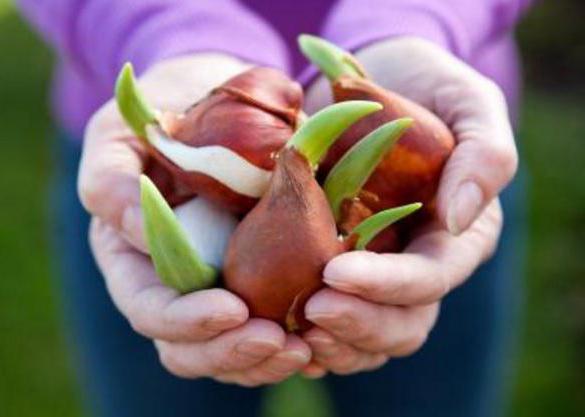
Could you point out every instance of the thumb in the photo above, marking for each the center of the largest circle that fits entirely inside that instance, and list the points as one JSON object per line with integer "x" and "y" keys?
{"x": 485, "y": 157}
{"x": 109, "y": 172}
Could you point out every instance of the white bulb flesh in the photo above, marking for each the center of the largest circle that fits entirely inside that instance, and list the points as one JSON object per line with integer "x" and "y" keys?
{"x": 208, "y": 228}
{"x": 217, "y": 162}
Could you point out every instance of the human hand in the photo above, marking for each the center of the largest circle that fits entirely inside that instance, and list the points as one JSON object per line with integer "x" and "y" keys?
{"x": 206, "y": 333}
{"x": 385, "y": 305}
{"x": 380, "y": 306}
{"x": 485, "y": 158}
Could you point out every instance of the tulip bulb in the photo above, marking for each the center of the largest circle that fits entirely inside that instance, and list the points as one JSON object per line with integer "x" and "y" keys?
{"x": 277, "y": 254}
{"x": 413, "y": 167}
{"x": 222, "y": 147}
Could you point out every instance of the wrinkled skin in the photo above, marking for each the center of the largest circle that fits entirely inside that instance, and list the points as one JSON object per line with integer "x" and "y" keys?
{"x": 412, "y": 169}
{"x": 206, "y": 333}
{"x": 253, "y": 114}
{"x": 276, "y": 256}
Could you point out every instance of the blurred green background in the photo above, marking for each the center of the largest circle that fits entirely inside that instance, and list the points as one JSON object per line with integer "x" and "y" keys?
{"x": 36, "y": 378}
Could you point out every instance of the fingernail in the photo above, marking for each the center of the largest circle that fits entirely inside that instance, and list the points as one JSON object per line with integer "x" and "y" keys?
{"x": 340, "y": 285}
{"x": 295, "y": 356}
{"x": 257, "y": 348}
{"x": 321, "y": 341}
{"x": 324, "y": 347}
{"x": 328, "y": 320}
{"x": 222, "y": 323}
{"x": 464, "y": 207}
{"x": 131, "y": 225}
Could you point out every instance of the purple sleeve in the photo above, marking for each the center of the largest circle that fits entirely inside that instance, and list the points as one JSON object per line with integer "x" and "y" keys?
{"x": 96, "y": 37}
{"x": 461, "y": 26}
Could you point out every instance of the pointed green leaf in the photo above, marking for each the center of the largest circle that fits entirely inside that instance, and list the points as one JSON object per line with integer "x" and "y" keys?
{"x": 329, "y": 58}
{"x": 373, "y": 225}
{"x": 316, "y": 135}
{"x": 131, "y": 102}
{"x": 177, "y": 264}
{"x": 351, "y": 172}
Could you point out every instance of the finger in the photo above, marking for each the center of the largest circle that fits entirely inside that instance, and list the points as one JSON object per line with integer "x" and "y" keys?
{"x": 295, "y": 355}
{"x": 113, "y": 157}
{"x": 433, "y": 264}
{"x": 154, "y": 310}
{"x": 314, "y": 371}
{"x": 485, "y": 158}
{"x": 338, "y": 357}
{"x": 374, "y": 328}
{"x": 109, "y": 171}
{"x": 234, "y": 350}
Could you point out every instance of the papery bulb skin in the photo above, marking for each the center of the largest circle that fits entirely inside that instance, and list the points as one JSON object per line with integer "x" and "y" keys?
{"x": 173, "y": 192}
{"x": 412, "y": 169}
{"x": 252, "y": 115}
{"x": 276, "y": 256}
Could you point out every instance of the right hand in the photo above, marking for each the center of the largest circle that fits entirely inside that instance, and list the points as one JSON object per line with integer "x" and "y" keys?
{"x": 205, "y": 333}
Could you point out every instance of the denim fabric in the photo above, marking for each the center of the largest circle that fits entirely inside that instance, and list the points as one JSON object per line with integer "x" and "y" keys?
{"x": 464, "y": 370}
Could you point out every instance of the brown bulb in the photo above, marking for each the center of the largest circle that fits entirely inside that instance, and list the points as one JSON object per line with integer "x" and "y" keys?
{"x": 276, "y": 256}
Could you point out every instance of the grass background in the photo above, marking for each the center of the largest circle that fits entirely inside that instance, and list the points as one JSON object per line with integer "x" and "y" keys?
{"x": 35, "y": 376}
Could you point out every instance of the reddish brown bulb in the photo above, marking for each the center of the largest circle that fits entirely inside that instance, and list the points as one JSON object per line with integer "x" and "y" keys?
{"x": 412, "y": 169}
{"x": 253, "y": 114}
{"x": 276, "y": 256}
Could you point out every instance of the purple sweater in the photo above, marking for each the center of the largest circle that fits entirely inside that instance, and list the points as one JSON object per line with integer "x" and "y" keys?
{"x": 93, "y": 38}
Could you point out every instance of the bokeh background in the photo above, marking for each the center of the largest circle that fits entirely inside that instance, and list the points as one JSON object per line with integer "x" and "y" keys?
{"x": 36, "y": 376}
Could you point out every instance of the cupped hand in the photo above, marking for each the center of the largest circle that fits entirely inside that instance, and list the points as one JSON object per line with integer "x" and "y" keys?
{"x": 205, "y": 333}
{"x": 380, "y": 306}
{"x": 485, "y": 157}
{"x": 384, "y": 305}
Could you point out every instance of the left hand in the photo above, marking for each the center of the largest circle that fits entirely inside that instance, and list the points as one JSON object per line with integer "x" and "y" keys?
{"x": 384, "y": 305}
{"x": 380, "y": 306}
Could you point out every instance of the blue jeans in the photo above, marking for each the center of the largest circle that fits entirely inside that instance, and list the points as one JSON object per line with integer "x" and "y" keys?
{"x": 465, "y": 369}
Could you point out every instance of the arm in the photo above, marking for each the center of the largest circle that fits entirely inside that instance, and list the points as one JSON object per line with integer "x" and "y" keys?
{"x": 384, "y": 305}
{"x": 98, "y": 36}
{"x": 460, "y": 26}
{"x": 205, "y": 333}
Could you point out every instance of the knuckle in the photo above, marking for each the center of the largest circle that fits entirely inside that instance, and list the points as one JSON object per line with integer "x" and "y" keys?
{"x": 236, "y": 361}
{"x": 511, "y": 163}
{"x": 376, "y": 362}
{"x": 102, "y": 119}
{"x": 485, "y": 88}
{"x": 343, "y": 364}
{"x": 497, "y": 154}
{"x": 494, "y": 91}
{"x": 95, "y": 231}
{"x": 139, "y": 319}
{"x": 411, "y": 344}
{"x": 173, "y": 364}
{"x": 344, "y": 314}
{"x": 506, "y": 157}
{"x": 345, "y": 368}
{"x": 137, "y": 323}
{"x": 273, "y": 376}
{"x": 442, "y": 286}
{"x": 90, "y": 192}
